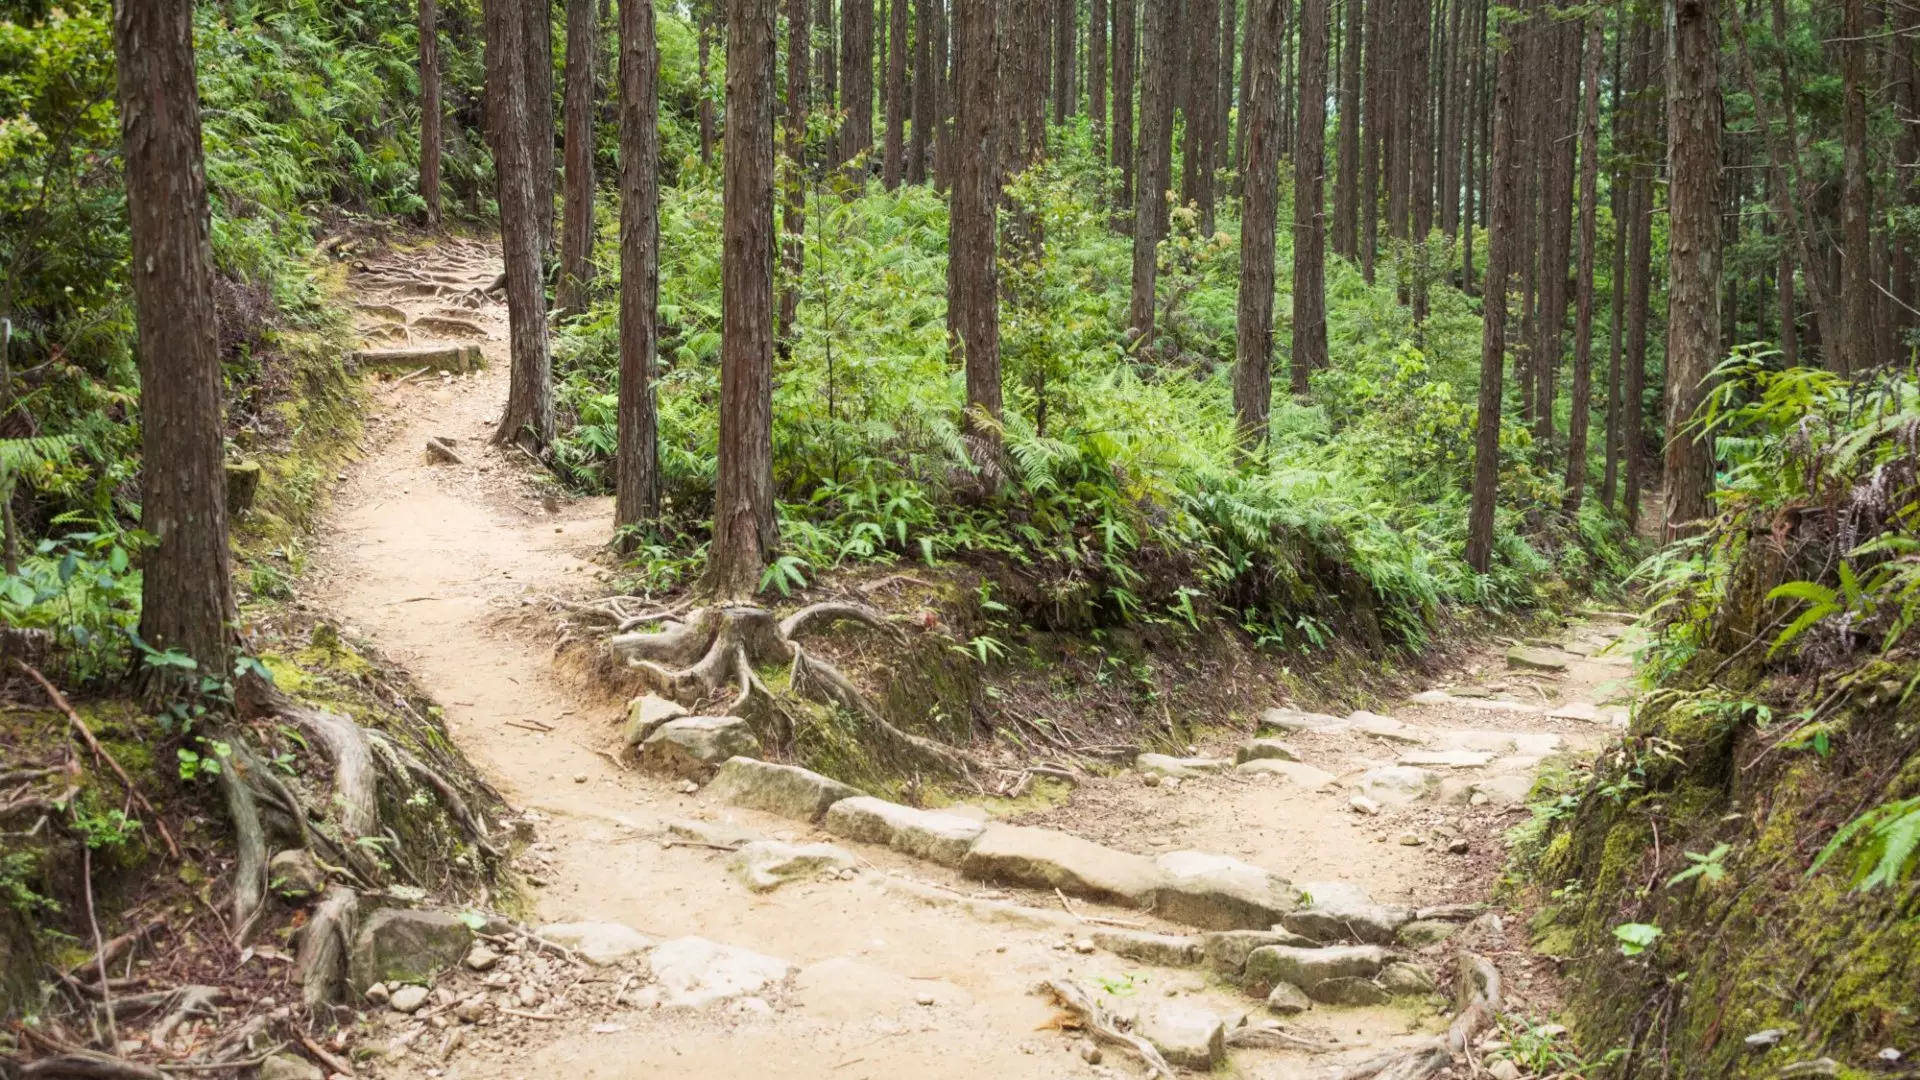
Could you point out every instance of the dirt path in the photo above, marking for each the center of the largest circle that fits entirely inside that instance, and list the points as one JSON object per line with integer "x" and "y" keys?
{"x": 432, "y": 560}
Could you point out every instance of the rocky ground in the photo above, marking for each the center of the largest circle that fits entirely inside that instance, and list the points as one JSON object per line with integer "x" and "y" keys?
{"x": 1293, "y": 901}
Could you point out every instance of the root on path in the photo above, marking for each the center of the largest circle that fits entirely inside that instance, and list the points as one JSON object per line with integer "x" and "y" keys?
{"x": 1477, "y": 996}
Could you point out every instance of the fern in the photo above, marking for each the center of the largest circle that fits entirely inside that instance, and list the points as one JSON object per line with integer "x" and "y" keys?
{"x": 1892, "y": 835}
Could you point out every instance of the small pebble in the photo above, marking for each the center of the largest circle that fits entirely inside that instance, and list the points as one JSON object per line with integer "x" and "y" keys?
{"x": 481, "y": 958}
{"x": 580, "y": 778}
{"x": 923, "y": 999}
{"x": 1088, "y": 1052}
{"x": 378, "y": 993}
{"x": 1084, "y": 946}
{"x": 1410, "y": 839}
{"x": 1459, "y": 847}
{"x": 1150, "y": 779}
{"x": 1362, "y": 804}
{"x": 688, "y": 787}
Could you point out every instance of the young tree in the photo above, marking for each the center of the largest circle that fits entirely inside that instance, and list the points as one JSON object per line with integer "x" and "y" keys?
{"x": 535, "y": 61}
{"x": 1493, "y": 320}
{"x": 186, "y": 590}
{"x": 429, "y": 30}
{"x": 1640, "y": 211}
{"x": 793, "y": 222}
{"x": 973, "y": 314}
{"x": 705, "y": 52}
{"x": 1581, "y": 404}
{"x": 637, "y": 464}
{"x": 511, "y": 97}
{"x": 1253, "y": 367}
{"x": 744, "y": 529}
{"x": 1309, "y": 199}
{"x": 576, "y": 224}
{"x": 1693, "y": 253}
{"x": 895, "y": 163}
{"x": 1154, "y": 164}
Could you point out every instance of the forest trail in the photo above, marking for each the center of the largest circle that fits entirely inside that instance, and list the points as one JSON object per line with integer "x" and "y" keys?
{"x": 899, "y": 967}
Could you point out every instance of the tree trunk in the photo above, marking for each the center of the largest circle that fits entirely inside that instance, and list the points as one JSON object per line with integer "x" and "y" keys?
{"x": 793, "y": 222}
{"x": 1346, "y": 179}
{"x": 1580, "y": 406}
{"x": 942, "y": 99}
{"x": 1124, "y": 52}
{"x": 1154, "y": 165}
{"x": 973, "y": 312}
{"x": 1853, "y": 343}
{"x": 1640, "y": 270}
{"x": 430, "y": 110}
{"x": 1693, "y": 253}
{"x": 1617, "y": 283}
{"x": 1065, "y": 40}
{"x": 1260, "y": 118}
{"x": 1493, "y": 321}
{"x": 1556, "y": 204}
{"x": 637, "y": 467}
{"x": 1223, "y": 107}
{"x": 1196, "y": 172}
{"x": 744, "y": 529}
{"x": 1097, "y": 71}
{"x": 516, "y": 99}
{"x": 1374, "y": 107}
{"x": 925, "y": 101}
{"x": 576, "y": 228}
{"x": 827, "y": 61}
{"x": 536, "y": 65}
{"x": 1309, "y": 200}
{"x": 856, "y": 81}
{"x": 186, "y": 590}
{"x": 896, "y": 93}
{"x": 706, "y": 88}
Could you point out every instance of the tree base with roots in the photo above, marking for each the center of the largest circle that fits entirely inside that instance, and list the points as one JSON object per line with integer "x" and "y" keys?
{"x": 711, "y": 650}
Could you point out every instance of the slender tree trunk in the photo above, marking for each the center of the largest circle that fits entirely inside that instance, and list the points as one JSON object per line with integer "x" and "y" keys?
{"x": 1125, "y": 19}
{"x": 1196, "y": 172}
{"x": 430, "y": 110}
{"x": 896, "y": 93}
{"x": 186, "y": 589}
{"x": 925, "y": 95}
{"x": 1854, "y": 342}
{"x": 1640, "y": 270}
{"x": 744, "y": 529}
{"x": 1309, "y": 200}
{"x": 536, "y": 65}
{"x": 1557, "y": 154}
{"x": 1419, "y": 130}
{"x": 1693, "y": 252}
{"x": 1065, "y": 38}
{"x": 1260, "y": 118}
{"x": 636, "y": 498}
{"x": 973, "y": 312}
{"x": 1097, "y": 72}
{"x": 1240, "y": 129}
{"x": 827, "y": 60}
{"x": 1154, "y": 165}
{"x": 1617, "y": 283}
{"x": 1375, "y": 109}
{"x": 793, "y": 222}
{"x": 576, "y": 227}
{"x": 1493, "y": 321}
{"x": 1476, "y": 67}
{"x": 856, "y": 80}
{"x": 1223, "y": 108}
{"x": 943, "y": 94}
{"x": 1346, "y": 180}
{"x": 1453, "y": 111}
{"x": 515, "y": 100}
{"x": 1580, "y": 407}
{"x": 706, "y": 88}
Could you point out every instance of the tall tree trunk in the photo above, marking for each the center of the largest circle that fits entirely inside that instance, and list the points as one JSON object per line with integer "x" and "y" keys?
{"x": 186, "y": 589}
{"x": 827, "y": 60}
{"x": 1374, "y": 107}
{"x": 1309, "y": 200}
{"x": 1346, "y": 180}
{"x": 1643, "y": 117}
{"x": 1223, "y": 108}
{"x": 793, "y": 136}
{"x": 1260, "y": 118}
{"x": 744, "y": 529}
{"x": 1693, "y": 252}
{"x": 1196, "y": 172}
{"x": 856, "y": 81}
{"x": 1065, "y": 39}
{"x": 1419, "y": 129}
{"x": 1854, "y": 342}
{"x": 706, "y": 87}
{"x": 896, "y": 93}
{"x": 1154, "y": 164}
{"x": 925, "y": 93}
{"x": 576, "y": 225}
{"x": 429, "y": 30}
{"x": 1556, "y": 204}
{"x": 973, "y": 290}
{"x": 1453, "y": 110}
{"x": 1493, "y": 321}
{"x": 1097, "y": 72}
{"x": 536, "y": 65}
{"x": 515, "y": 102}
{"x": 943, "y": 94}
{"x": 1476, "y": 45}
{"x": 1617, "y": 283}
{"x": 636, "y": 497}
{"x": 1125, "y": 50}
{"x": 1580, "y": 407}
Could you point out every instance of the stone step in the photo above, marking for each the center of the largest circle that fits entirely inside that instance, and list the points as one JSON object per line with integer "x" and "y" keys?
{"x": 923, "y": 834}
{"x": 1487, "y": 704}
{"x": 784, "y": 790}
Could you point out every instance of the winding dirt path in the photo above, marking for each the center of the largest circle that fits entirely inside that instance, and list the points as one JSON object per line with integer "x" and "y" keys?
{"x": 431, "y": 561}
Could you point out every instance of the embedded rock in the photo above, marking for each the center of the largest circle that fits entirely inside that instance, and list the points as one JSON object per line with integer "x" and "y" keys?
{"x": 1186, "y": 1035}
{"x": 1308, "y": 968}
{"x": 289, "y": 1067}
{"x": 1215, "y": 892}
{"x": 692, "y": 972}
{"x": 1185, "y": 768}
{"x": 1533, "y": 658}
{"x": 1287, "y": 999}
{"x": 1446, "y": 759}
{"x": 646, "y": 713}
{"x": 1295, "y": 720}
{"x": 296, "y": 875}
{"x": 786, "y": 790}
{"x": 407, "y": 999}
{"x": 1405, "y": 980}
{"x": 925, "y": 834}
{"x": 1350, "y": 991}
{"x": 1164, "y": 950}
{"x": 1294, "y": 772}
{"x": 401, "y": 945}
{"x": 1264, "y": 750}
{"x": 1385, "y": 728}
{"x": 1046, "y": 859}
{"x": 1396, "y": 785}
{"x": 1423, "y": 932}
{"x": 691, "y": 747}
{"x": 600, "y": 943}
{"x": 765, "y": 865}
{"x": 1227, "y": 950}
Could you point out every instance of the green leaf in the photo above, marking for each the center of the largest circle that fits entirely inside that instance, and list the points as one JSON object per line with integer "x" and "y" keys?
{"x": 1636, "y": 938}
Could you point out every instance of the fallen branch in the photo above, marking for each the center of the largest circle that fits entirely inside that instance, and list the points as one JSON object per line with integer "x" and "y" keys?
{"x": 439, "y": 450}
{"x": 188, "y": 1002}
{"x": 76, "y": 1064}
{"x": 333, "y": 1062}
{"x": 219, "y": 1066}
{"x": 1093, "y": 1018}
{"x": 100, "y": 754}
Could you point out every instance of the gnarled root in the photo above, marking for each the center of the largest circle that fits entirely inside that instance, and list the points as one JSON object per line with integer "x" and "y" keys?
{"x": 822, "y": 682}
{"x": 800, "y": 621}
{"x": 250, "y": 839}
{"x": 321, "y": 963}
{"x": 355, "y": 779}
{"x": 1477, "y": 994}
{"x": 185, "y": 1004}
{"x": 679, "y": 645}
{"x": 1095, "y": 1021}
{"x": 402, "y": 760}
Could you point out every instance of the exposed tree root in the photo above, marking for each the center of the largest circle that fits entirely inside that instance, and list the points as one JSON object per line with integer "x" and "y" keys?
{"x": 187, "y": 1003}
{"x": 78, "y": 1064}
{"x": 1477, "y": 996}
{"x": 355, "y": 779}
{"x": 1094, "y": 1020}
{"x": 320, "y": 966}
{"x": 250, "y": 839}
{"x": 403, "y": 759}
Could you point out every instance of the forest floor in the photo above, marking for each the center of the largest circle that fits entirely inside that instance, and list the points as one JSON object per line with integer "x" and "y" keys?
{"x": 895, "y": 970}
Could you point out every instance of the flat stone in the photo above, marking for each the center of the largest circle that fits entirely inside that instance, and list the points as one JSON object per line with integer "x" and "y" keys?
{"x": 1354, "y": 992}
{"x": 1386, "y": 728}
{"x": 1423, "y": 932}
{"x": 1324, "y": 921}
{"x": 765, "y": 865}
{"x": 1474, "y": 698}
{"x": 1535, "y": 743}
{"x": 1287, "y": 999}
{"x": 1396, "y": 785}
{"x": 1534, "y": 658}
{"x": 692, "y": 972}
{"x": 481, "y": 958}
{"x": 646, "y": 713}
{"x": 786, "y": 790}
{"x": 845, "y": 990}
{"x": 1333, "y": 893}
{"x": 1216, "y": 892}
{"x": 1264, "y": 750}
{"x": 402, "y": 945}
{"x": 1451, "y": 912}
{"x": 295, "y": 874}
{"x": 1509, "y": 790}
{"x": 1296, "y": 773}
{"x": 1584, "y": 711}
{"x": 1163, "y": 950}
{"x": 1308, "y": 968}
{"x": 289, "y": 1067}
{"x": 1186, "y": 1035}
{"x": 1186, "y": 768}
{"x": 1446, "y": 759}
{"x": 711, "y": 832}
{"x": 1227, "y": 950}
{"x": 1046, "y": 859}
{"x": 1295, "y": 720}
{"x": 925, "y": 834}
{"x": 692, "y": 747}
{"x": 601, "y": 943}
{"x": 408, "y": 999}
{"x": 1405, "y": 980}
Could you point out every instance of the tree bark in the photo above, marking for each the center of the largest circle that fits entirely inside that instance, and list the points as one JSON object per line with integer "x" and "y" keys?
{"x": 1853, "y": 343}
{"x": 793, "y": 222}
{"x": 856, "y": 80}
{"x": 1260, "y": 118}
{"x": 1693, "y": 253}
{"x": 1580, "y": 406}
{"x": 637, "y": 464}
{"x": 705, "y": 36}
{"x": 1374, "y": 107}
{"x": 1346, "y": 180}
{"x": 1617, "y": 283}
{"x": 1065, "y": 40}
{"x": 1196, "y": 172}
{"x": 925, "y": 101}
{"x": 1097, "y": 71}
{"x": 973, "y": 312}
{"x": 1154, "y": 165}
{"x": 429, "y": 21}
{"x": 744, "y": 529}
{"x": 1640, "y": 270}
{"x": 536, "y": 66}
{"x": 186, "y": 589}
{"x": 1223, "y": 107}
{"x": 516, "y": 99}
{"x": 895, "y": 164}
{"x": 1493, "y": 320}
{"x": 1309, "y": 200}
{"x": 576, "y": 227}
{"x": 1125, "y": 50}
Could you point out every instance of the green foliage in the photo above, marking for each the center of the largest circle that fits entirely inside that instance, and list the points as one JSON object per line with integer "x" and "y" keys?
{"x": 1636, "y": 938}
{"x": 1891, "y": 834}
{"x": 83, "y": 589}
